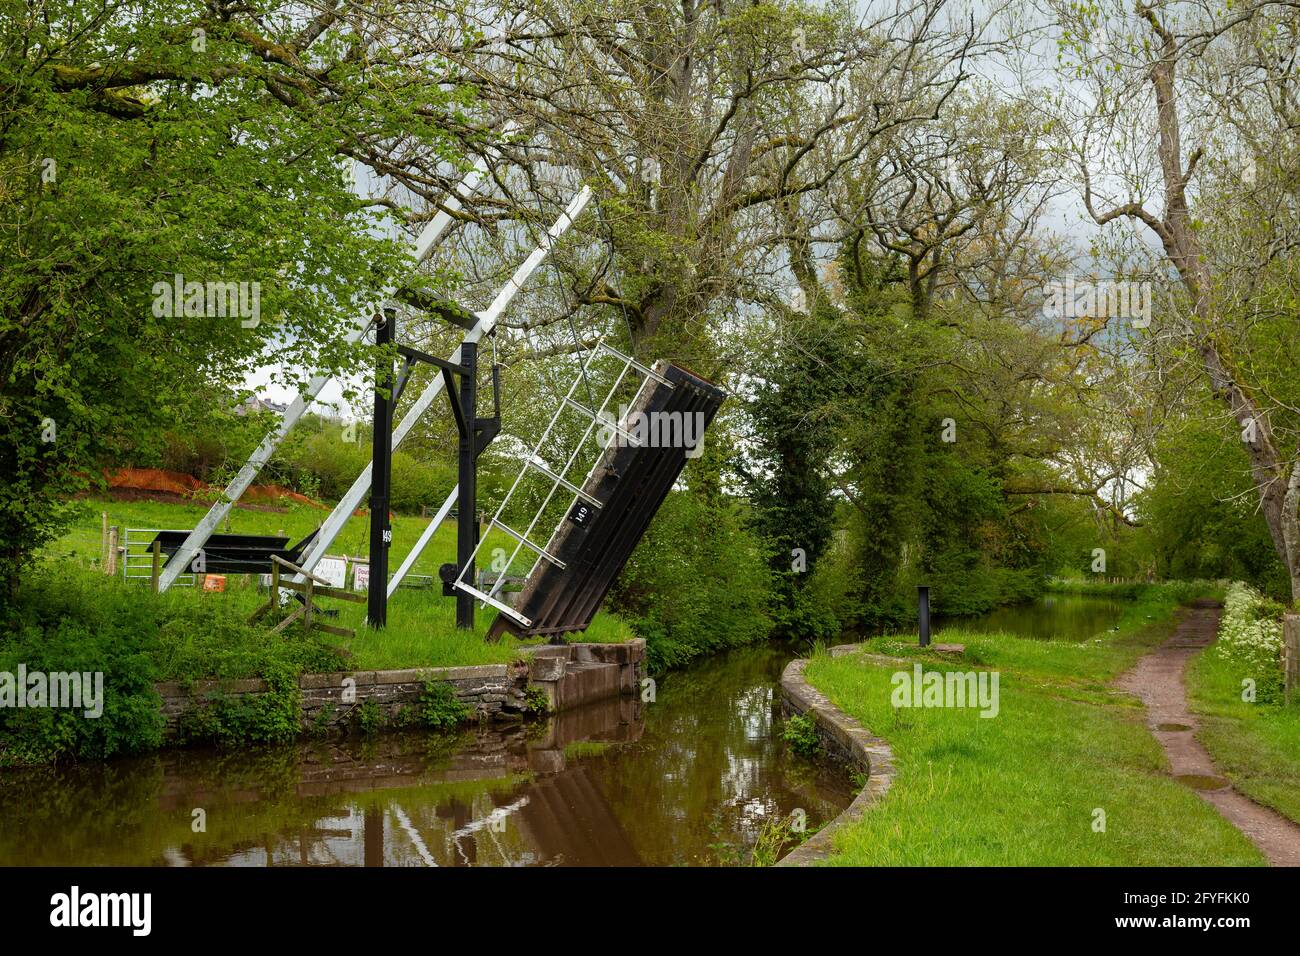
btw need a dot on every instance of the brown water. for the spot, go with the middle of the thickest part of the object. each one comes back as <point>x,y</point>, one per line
<point>1061,617</point>
<point>689,779</point>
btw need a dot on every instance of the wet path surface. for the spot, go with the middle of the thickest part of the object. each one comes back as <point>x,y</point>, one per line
<point>1158,681</point>
<point>690,779</point>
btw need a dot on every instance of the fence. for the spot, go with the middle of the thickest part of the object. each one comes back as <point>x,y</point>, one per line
<point>312,588</point>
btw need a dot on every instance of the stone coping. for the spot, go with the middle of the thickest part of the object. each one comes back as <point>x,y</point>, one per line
<point>870,754</point>
<point>320,680</point>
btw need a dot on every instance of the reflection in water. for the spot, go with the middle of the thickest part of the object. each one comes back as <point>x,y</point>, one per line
<point>688,779</point>
<point>1065,617</point>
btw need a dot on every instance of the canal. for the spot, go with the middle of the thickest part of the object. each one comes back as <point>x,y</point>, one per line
<point>1061,617</point>
<point>691,778</point>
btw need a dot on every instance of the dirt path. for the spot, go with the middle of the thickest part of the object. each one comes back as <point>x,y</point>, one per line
<point>1158,681</point>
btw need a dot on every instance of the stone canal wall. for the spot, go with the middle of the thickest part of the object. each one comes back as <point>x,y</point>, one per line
<point>843,739</point>
<point>568,675</point>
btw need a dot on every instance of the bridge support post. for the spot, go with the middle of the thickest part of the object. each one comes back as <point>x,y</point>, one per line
<point>467,468</point>
<point>381,532</point>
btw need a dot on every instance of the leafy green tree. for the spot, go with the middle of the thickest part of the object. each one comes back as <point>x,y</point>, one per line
<point>788,478</point>
<point>698,582</point>
<point>1213,182</point>
<point>1200,511</point>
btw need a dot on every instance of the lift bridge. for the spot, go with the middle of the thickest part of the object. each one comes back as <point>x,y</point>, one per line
<point>592,514</point>
<point>636,459</point>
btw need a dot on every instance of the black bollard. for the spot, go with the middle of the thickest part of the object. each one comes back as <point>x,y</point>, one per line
<point>923,612</point>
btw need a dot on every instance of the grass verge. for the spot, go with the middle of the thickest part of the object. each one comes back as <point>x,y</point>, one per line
<point>421,628</point>
<point>70,617</point>
<point>1033,785</point>
<point>1255,742</point>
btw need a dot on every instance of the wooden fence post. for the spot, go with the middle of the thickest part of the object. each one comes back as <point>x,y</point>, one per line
<point>306,610</point>
<point>103,539</point>
<point>157,566</point>
<point>110,568</point>
<point>1291,654</point>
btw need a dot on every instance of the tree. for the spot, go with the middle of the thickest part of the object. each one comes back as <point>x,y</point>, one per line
<point>1217,93</point>
<point>696,123</point>
<point>794,432</point>
<point>153,146</point>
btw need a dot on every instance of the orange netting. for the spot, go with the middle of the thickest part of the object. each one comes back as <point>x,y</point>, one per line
<point>179,483</point>
<point>276,493</point>
<point>155,479</point>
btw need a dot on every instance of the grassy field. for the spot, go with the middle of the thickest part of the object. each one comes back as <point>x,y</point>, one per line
<point>83,541</point>
<point>421,622</point>
<point>1257,748</point>
<point>1028,786</point>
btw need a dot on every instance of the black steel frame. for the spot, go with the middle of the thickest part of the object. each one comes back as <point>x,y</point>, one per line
<point>475,435</point>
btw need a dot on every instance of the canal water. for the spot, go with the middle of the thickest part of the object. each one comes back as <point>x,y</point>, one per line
<point>690,779</point>
<point>1061,617</point>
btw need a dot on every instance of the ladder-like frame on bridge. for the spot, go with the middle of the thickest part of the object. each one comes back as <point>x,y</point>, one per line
<point>487,320</point>
<point>534,462</point>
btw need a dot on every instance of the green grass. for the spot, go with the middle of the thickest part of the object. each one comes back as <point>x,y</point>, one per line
<point>83,541</point>
<point>1085,665</point>
<point>1135,589</point>
<point>1257,745</point>
<point>422,632</point>
<point>1022,788</point>
<point>421,629</point>
<point>579,749</point>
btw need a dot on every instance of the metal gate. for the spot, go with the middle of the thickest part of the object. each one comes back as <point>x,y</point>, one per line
<point>137,558</point>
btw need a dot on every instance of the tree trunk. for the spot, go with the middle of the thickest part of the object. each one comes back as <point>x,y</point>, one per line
<point>1276,480</point>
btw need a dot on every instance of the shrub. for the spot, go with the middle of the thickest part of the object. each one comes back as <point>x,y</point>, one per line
<point>131,720</point>
<point>66,619</point>
<point>698,582</point>
<point>440,708</point>
<point>1250,638</point>
<point>417,483</point>
<point>806,616</point>
<point>369,717</point>
<point>800,732</point>
<point>332,462</point>
<point>230,720</point>
<point>326,465</point>
<point>63,622</point>
<point>536,702</point>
